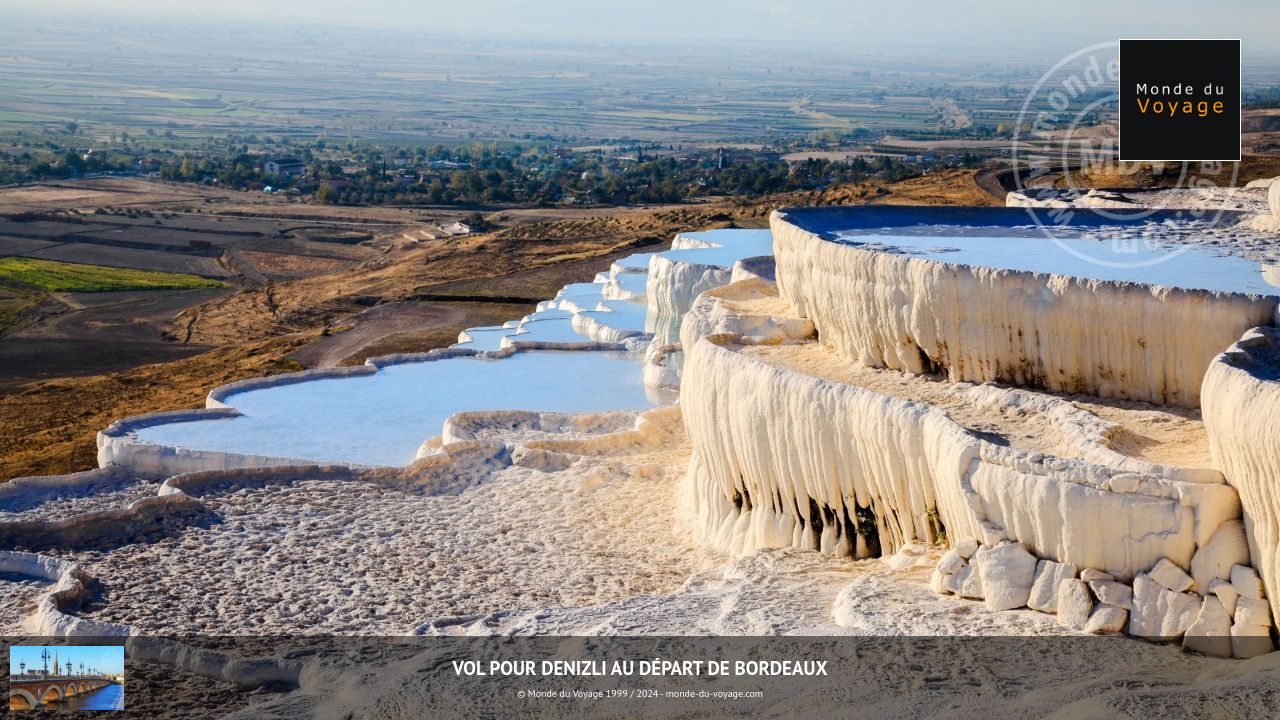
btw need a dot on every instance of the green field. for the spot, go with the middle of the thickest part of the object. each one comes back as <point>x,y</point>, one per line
<point>73,277</point>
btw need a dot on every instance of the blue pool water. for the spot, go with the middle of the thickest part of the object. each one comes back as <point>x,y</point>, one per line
<point>1131,259</point>
<point>382,419</point>
<point>1167,247</point>
<point>486,338</point>
<point>634,263</point>
<point>731,245</point>
<point>621,314</point>
<point>557,330</point>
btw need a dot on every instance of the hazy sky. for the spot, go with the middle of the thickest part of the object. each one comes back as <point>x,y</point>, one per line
<point>1050,26</point>
<point>107,658</point>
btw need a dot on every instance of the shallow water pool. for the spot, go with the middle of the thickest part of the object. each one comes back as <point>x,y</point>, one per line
<point>555,330</point>
<point>485,338</point>
<point>720,248</point>
<point>1166,247</point>
<point>620,314</point>
<point>382,419</point>
<point>1135,258</point>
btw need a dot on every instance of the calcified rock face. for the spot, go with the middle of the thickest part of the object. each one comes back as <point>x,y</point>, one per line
<point>672,288</point>
<point>1242,415</point>
<point>1103,338</point>
<point>783,458</point>
<point>677,277</point>
<point>786,456</point>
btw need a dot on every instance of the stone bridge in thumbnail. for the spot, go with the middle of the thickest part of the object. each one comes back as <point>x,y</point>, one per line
<point>27,692</point>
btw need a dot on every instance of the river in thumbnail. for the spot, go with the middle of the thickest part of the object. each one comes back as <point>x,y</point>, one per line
<point>110,697</point>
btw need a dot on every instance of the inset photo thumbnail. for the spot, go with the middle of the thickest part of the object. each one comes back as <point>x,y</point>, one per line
<point>66,677</point>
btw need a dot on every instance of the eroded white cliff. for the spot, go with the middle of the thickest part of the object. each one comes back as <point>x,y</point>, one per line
<point>696,263</point>
<point>784,458</point>
<point>672,287</point>
<point>1241,406</point>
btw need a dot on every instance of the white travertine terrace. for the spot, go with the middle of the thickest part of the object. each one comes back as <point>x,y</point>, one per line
<point>608,314</point>
<point>783,457</point>
<point>841,462</point>
<point>697,262</point>
<point>68,579</point>
<point>797,441</point>
<point>979,324</point>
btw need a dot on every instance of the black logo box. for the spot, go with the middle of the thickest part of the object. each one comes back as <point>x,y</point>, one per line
<point>1180,64</point>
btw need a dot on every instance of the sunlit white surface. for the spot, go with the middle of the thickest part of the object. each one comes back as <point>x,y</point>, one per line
<point>721,248</point>
<point>485,338</point>
<point>620,314</point>
<point>383,418</point>
<point>559,330</point>
<point>1132,255</point>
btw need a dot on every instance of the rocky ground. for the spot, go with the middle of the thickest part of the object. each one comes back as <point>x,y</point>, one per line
<point>59,508</point>
<point>19,595</point>
<point>329,556</point>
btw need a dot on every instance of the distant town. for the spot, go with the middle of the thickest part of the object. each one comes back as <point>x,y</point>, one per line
<point>476,174</point>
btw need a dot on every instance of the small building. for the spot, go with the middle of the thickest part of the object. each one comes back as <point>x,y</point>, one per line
<point>450,165</point>
<point>441,231</point>
<point>291,167</point>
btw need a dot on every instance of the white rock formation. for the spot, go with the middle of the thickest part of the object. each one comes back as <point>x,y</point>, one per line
<point>742,312</point>
<point>1075,604</point>
<point>1159,613</point>
<point>676,279</point>
<point>937,583</point>
<point>672,288</point>
<point>1226,593</point>
<point>784,458</point>
<point>1246,582</point>
<point>1110,592</point>
<point>1007,572</point>
<point>1107,619</point>
<point>226,667</point>
<point>1044,589</point>
<point>605,322</point>
<point>69,589</point>
<point>1053,198</point>
<point>954,583</point>
<point>1226,547</point>
<point>982,324</point>
<point>1211,632</point>
<point>1170,576</point>
<point>117,445</point>
<point>1252,611</point>
<point>970,583</point>
<point>662,365</point>
<point>1249,641</point>
<point>951,562</point>
<point>1241,395</point>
